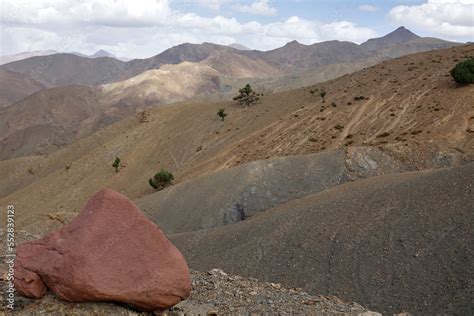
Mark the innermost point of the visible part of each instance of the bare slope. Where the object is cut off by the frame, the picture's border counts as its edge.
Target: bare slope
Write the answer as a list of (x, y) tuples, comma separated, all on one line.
[(15, 87), (66, 69), (409, 102), (213, 292), (261, 185), (431, 125), (55, 117), (394, 243), (170, 83), (58, 116)]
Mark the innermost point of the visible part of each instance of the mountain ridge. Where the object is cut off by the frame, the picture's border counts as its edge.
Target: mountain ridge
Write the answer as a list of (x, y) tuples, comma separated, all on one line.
[(307, 56)]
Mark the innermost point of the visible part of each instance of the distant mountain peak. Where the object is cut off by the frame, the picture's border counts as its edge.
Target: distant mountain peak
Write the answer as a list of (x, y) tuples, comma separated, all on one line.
[(293, 43), (102, 53), (402, 32), (399, 36)]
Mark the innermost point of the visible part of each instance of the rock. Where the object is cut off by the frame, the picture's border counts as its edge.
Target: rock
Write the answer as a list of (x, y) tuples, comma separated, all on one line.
[(109, 252), (276, 285), (369, 313), (218, 272), (32, 286)]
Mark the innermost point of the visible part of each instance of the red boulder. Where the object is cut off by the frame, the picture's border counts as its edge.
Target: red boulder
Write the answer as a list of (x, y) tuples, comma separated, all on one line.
[(109, 252)]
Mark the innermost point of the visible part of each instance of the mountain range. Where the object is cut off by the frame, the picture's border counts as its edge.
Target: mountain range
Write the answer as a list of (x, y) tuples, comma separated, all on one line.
[(106, 90), (65, 69)]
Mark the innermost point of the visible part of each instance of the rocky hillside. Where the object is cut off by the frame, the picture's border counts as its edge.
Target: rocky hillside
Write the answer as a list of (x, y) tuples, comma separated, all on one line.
[(16, 87), (324, 188), (422, 122), (214, 292), (201, 72), (393, 243)]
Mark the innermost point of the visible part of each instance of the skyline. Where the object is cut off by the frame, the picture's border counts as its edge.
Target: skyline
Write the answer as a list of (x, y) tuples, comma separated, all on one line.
[(144, 28)]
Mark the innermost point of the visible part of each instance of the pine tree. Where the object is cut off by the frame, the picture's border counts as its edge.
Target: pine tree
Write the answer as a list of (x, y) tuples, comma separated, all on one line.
[(247, 96)]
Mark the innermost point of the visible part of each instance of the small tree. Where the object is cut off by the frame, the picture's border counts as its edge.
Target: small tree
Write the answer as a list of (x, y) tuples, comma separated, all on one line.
[(323, 95), (221, 113), (161, 180), (247, 96), (463, 72), (116, 164)]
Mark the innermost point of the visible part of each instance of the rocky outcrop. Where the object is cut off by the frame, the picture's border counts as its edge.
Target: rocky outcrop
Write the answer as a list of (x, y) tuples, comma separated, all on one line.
[(109, 252)]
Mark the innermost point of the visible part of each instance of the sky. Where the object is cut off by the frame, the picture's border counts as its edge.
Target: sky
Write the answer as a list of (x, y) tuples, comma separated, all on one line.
[(143, 28)]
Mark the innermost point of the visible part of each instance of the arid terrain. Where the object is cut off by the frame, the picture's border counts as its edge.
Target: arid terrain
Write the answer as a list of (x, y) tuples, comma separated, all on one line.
[(108, 90), (350, 180)]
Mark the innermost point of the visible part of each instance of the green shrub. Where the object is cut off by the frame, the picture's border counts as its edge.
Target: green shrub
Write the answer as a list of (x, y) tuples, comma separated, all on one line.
[(221, 113), (463, 72), (161, 179), (116, 164)]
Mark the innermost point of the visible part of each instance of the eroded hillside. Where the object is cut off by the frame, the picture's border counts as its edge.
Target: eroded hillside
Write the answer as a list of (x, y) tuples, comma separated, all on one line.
[(410, 107)]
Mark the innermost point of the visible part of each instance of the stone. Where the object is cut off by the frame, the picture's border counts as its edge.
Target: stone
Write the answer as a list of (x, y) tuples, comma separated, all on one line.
[(109, 252)]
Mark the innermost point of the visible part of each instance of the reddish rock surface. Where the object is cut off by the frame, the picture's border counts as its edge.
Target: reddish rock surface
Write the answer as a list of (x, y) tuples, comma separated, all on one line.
[(109, 252)]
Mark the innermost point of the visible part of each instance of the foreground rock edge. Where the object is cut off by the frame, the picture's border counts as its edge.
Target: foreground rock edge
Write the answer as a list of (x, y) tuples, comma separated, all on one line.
[(109, 252)]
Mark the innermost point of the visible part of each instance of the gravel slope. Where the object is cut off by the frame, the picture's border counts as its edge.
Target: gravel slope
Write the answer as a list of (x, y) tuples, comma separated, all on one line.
[(215, 200), (392, 243), (214, 292)]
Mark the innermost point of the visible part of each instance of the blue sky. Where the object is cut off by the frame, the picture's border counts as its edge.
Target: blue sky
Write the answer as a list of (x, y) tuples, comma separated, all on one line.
[(143, 28)]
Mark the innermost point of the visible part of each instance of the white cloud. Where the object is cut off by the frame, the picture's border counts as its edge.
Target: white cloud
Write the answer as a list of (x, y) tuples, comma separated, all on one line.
[(346, 31), (148, 27), (293, 28), (212, 4), (453, 18), (368, 8), (102, 12), (259, 7)]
